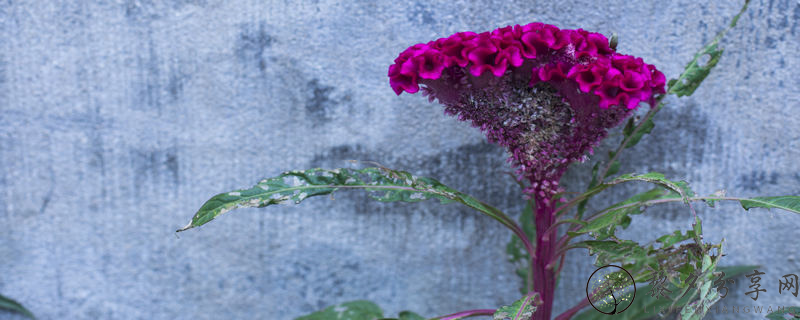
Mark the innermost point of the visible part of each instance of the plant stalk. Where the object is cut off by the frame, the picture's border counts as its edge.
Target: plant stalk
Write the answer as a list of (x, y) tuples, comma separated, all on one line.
[(544, 278), (466, 314)]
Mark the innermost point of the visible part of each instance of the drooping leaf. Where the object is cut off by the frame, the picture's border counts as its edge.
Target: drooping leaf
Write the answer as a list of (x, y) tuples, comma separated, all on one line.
[(521, 309), (353, 310), (785, 313), (681, 188), (604, 224), (295, 186), (517, 254), (788, 203), (695, 72), (10, 305)]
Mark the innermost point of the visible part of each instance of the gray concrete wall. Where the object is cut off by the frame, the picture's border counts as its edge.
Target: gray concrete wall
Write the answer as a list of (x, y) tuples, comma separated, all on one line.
[(119, 118)]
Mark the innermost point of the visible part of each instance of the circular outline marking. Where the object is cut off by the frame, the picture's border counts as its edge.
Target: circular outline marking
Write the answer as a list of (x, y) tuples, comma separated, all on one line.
[(590, 280)]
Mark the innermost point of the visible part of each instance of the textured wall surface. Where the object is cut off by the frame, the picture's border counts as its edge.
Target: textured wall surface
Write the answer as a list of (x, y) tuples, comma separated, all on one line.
[(119, 118)]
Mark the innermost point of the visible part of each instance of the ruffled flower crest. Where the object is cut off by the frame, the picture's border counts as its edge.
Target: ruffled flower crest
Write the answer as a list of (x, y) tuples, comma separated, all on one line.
[(548, 95)]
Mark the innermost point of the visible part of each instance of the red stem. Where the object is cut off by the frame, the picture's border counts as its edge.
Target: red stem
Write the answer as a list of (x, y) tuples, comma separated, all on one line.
[(566, 315), (544, 278), (465, 314)]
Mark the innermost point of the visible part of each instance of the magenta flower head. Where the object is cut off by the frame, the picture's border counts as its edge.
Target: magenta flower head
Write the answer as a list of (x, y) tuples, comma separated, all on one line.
[(548, 95)]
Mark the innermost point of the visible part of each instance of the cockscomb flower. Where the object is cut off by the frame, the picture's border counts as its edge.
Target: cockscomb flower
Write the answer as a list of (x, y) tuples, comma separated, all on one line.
[(548, 95)]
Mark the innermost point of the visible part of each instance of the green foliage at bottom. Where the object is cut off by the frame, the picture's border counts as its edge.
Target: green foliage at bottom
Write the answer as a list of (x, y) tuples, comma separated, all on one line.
[(13, 306), (357, 310), (645, 306), (786, 313), (353, 310)]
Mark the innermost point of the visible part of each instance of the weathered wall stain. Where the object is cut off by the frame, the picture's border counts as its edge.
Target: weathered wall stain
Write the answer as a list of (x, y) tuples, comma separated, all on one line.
[(319, 102), (149, 166), (252, 45), (756, 179), (421, 13)]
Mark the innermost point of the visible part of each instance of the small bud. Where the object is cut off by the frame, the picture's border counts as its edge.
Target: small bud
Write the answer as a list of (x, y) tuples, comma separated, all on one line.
[(613, 42)]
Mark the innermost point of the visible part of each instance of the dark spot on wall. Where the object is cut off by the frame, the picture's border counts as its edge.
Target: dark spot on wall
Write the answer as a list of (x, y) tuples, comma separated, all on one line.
[(47, 198), (148, 95), (138, 10), (171, 162), (143, 163), (3, 186), (320, 104), (152, 77), (769, 42), (795, 18), (252, 44), (175, 82), (702, 28), (421, 13), (3, 67), (153, 168), (756, 179)]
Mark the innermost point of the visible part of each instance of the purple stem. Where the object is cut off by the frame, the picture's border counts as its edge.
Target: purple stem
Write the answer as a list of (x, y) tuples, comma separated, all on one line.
[(544, 277), (572, 311), (465, 314)]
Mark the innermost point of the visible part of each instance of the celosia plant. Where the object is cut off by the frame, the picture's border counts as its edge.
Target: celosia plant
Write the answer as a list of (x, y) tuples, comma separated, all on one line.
[(547, 95)]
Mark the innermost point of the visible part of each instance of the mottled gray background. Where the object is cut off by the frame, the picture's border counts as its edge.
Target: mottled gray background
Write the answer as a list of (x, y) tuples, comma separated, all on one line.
[(119, 118)]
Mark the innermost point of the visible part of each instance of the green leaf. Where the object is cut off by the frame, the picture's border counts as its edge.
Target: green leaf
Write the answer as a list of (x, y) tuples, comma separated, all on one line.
[(695, 73), (712, 200), (13, 306), (521, 309), (646, 128), (295, 186), (353, 310), (707, 297), (408, 315), (517, 254), (680, 187), (671, 239), (603, 224), (785, 313), (627, 253), (788, 203), (697, 310)]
